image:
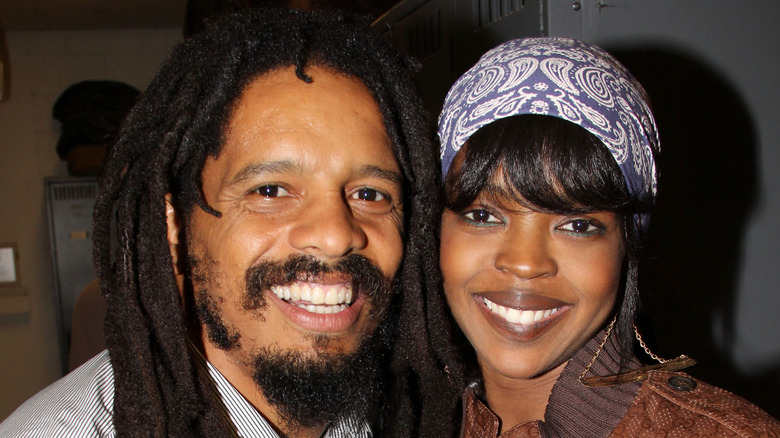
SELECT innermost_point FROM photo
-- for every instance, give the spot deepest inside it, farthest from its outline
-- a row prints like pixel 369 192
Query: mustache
pixel 364 275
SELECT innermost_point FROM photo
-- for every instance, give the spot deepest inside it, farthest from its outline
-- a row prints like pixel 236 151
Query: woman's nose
pixel 527 253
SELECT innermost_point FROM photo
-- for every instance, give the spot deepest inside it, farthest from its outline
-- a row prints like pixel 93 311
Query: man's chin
pixel 320 386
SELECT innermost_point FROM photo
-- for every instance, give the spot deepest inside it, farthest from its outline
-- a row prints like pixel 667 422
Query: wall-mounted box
pixel 69 204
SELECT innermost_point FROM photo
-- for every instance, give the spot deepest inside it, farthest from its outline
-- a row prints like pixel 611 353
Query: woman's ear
pixel 175 238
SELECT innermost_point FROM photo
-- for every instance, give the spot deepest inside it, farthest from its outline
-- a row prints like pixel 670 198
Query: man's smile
pixel 320 308
pixel 316 298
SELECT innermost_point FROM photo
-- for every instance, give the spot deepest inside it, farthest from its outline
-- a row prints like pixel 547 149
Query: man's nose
pixel 527 253
pixel 327 228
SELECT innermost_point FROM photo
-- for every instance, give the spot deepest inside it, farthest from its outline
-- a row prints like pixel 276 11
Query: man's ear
pixel 175 237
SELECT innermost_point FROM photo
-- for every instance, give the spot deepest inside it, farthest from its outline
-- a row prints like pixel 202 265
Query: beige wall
pixel 42 66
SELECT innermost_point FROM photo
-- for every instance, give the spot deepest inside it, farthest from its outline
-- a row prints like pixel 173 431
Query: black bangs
pixel 546 163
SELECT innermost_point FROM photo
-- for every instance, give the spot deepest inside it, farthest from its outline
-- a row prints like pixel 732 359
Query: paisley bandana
pixel 563 78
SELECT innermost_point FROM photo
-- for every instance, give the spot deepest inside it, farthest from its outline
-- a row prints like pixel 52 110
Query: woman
pixel 548 152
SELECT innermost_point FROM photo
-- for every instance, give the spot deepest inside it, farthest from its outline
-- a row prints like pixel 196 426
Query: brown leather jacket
pixel 665 404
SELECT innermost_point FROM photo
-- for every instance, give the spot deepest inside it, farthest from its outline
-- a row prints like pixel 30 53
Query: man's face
pixel 306 170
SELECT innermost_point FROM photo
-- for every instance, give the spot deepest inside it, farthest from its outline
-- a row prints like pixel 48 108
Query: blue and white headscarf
pixel 563 78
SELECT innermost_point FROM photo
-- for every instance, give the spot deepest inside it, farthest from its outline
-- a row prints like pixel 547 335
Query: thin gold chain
pixel 598 350
pixel 636 375
pixel 646 348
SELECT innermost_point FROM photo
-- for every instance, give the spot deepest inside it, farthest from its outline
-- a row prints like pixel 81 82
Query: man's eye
pixel 271 191
pixel 369 195
pixel 581 227
pixel 481 217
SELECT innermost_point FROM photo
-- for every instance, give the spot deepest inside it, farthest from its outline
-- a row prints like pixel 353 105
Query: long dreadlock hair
pixel 175 125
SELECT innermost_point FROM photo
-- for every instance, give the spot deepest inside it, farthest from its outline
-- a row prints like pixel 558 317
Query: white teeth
pixel 517 316
pixel 527 317
pixel 332 297
pixel 323 309
pixel 316 298
pixel 317 295
pixel 295 292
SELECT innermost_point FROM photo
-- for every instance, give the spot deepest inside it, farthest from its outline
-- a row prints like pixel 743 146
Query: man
pixel 273 247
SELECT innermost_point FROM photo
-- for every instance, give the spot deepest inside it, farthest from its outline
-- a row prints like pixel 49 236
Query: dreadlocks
pixel 180 121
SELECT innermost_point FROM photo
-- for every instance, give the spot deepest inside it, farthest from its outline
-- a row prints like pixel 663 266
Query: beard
pixel 317 387
pixel 308 392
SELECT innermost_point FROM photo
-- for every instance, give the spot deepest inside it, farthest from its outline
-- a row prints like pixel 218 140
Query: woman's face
pixel 528 288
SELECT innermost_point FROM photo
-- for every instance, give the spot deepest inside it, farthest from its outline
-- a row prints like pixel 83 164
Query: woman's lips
pixel 521 316
pixel 522 300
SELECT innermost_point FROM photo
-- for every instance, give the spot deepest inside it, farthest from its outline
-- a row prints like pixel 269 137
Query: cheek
pixel 599 278
pixel 231 248
pixel 452 250
pixel 251 241
pixel 395 251
pixel 464 255
pixel 459 262
pixel 452 264
pixel 240 243
pixel 611 274
pixel 385 246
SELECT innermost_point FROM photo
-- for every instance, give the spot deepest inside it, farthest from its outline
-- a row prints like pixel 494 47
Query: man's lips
pixel 315 297
pixel 521 315
pixel 323 308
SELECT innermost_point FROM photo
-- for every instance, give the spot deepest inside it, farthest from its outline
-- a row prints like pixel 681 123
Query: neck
pixel 517 401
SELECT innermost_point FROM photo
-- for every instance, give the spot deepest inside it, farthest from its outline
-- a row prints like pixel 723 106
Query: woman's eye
pixel 481 217
pixel 271 191
pixel 581 227
pixel 369 195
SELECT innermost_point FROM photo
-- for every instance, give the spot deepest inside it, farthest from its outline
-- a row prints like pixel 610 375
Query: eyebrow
pixel 287 166
pixel 284 166
pixel 378 172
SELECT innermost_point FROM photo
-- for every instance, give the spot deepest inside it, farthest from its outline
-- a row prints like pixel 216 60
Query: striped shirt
pixel 81 404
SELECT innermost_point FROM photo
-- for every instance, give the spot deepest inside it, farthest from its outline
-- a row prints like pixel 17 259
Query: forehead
pixel 281 91
pixel 279 116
